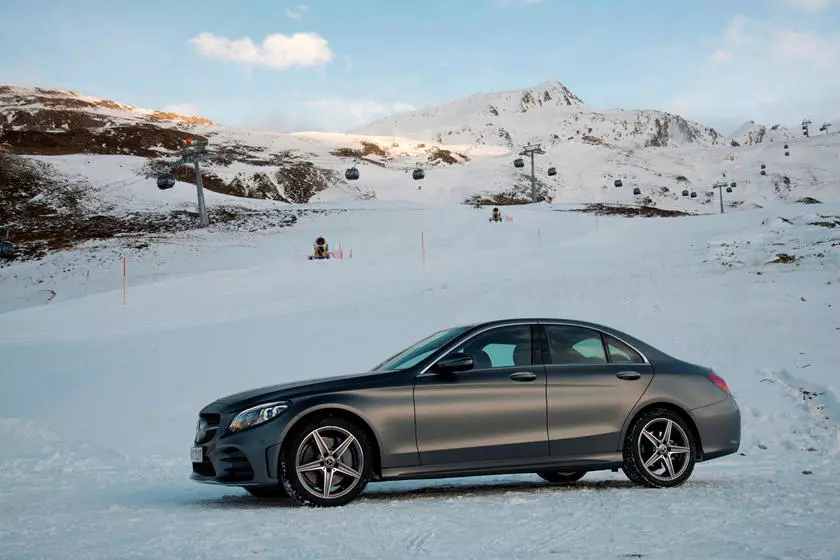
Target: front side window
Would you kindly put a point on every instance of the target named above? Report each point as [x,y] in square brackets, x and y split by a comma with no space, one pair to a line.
[500,347]
[421,350]
[620,352]
[574,345]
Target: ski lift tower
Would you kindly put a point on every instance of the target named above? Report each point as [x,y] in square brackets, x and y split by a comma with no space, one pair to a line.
[530,150]
[191,154]
[720,185]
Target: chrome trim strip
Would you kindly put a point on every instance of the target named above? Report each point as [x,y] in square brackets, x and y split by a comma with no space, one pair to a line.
[452,346]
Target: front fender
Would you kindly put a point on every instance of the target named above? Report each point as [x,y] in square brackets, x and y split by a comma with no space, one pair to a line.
[387,412]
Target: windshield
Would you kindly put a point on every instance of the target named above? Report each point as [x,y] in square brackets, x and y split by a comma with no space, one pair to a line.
[421,350]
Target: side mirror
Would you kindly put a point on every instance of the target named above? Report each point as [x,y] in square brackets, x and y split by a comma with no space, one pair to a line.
[454,363]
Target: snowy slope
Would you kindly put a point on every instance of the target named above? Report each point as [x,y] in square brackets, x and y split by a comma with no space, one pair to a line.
[99,398]
[547,113]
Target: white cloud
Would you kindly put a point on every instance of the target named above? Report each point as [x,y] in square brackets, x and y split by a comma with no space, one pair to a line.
[327,115]
[721,56]
[762,71]
[277,51]
[183,109]
[341,114]
[812,5]
[297,15]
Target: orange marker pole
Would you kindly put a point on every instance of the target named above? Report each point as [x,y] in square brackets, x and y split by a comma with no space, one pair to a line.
[423,246]
[124,283]
[87,278]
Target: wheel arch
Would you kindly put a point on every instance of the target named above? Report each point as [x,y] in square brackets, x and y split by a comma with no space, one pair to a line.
[679,410]
[346,413]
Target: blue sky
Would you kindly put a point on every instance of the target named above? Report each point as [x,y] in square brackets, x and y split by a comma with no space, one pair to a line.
[720,62]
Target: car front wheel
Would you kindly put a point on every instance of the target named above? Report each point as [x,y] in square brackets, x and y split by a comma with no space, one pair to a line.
[659,449]
[561,477]
[326,463]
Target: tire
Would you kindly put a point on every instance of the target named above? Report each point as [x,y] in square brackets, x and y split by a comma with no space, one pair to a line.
[349,472]
[644,445]
[561,477]
[267,491]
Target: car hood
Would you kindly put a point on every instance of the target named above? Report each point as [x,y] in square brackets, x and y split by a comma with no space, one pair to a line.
[253,397]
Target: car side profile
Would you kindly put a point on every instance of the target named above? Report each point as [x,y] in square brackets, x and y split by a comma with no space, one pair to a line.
[554,397]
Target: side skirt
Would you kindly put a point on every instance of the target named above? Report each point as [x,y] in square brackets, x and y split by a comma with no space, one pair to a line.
[600,462]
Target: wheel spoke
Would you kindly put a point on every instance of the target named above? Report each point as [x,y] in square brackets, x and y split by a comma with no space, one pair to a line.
[653,460]
[344,469]
[670,466]
[667,437]
[308,467]
[675,449]
[339,451]
[652,438]
[323,450]
[328,482]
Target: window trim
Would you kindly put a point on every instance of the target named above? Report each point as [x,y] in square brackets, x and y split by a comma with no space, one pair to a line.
[458,342]
[630,346]
[544,336]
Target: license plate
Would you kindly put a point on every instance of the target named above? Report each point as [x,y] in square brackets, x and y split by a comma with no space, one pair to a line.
[197,454]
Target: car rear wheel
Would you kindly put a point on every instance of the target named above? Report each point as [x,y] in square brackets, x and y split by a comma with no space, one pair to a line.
[267,491]
[561,477]
[659,449]
[326,463]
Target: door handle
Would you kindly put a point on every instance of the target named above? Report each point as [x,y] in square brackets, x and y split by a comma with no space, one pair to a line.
[628,375]
[523,376]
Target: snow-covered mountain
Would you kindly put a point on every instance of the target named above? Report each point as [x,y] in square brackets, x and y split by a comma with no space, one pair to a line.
[111,153]
[547,113]
[752,133]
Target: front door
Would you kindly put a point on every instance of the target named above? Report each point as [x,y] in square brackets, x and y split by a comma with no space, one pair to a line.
[495,412]
[593,382]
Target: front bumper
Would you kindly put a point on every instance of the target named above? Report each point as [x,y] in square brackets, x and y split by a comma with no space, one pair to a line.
[719,427]
[247,458]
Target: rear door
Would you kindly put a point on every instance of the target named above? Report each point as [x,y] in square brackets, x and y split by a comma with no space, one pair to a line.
[593,382]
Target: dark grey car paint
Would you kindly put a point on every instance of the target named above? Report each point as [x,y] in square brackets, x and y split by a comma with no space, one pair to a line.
[485,411]
[588,404]
[513,430]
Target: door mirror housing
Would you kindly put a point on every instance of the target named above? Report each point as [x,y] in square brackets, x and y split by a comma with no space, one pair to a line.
[454,363]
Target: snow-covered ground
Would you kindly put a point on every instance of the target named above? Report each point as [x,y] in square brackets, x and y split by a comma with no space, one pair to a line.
[99,399]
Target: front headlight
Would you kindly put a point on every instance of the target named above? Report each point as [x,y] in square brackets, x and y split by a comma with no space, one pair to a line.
[257,415]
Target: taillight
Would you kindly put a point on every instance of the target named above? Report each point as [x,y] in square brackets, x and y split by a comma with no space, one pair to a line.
[721,384]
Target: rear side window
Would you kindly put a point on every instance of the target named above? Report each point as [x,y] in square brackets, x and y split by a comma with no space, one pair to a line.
[574,345]
[620,352]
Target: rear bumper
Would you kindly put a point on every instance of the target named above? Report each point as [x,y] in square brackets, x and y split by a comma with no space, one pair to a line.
[719,426]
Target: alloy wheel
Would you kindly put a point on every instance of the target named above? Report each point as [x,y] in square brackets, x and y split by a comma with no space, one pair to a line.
[664,449]
[329,462]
